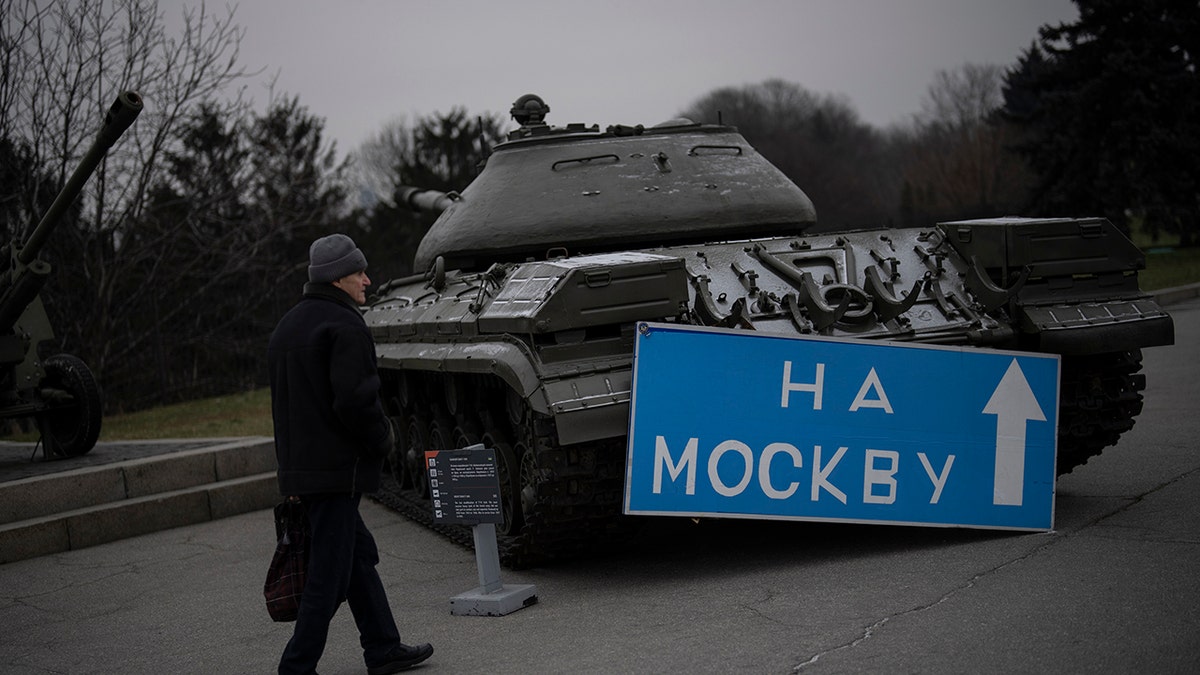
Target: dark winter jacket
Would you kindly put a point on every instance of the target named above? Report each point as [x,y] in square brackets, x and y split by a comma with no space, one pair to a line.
[330,431]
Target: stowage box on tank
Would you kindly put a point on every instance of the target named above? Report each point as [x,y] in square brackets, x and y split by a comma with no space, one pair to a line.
[520,335]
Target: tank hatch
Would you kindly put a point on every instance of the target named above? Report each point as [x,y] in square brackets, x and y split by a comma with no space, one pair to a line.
[587,191]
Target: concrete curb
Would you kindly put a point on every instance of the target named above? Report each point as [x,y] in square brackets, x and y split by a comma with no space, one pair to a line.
[1176,294]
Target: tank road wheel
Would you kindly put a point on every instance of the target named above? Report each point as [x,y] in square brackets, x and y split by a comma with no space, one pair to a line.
[441,434]
[508,473]
[441,437]
[397,459]
[530,477]
[70,425]
[416,443]
[465,435]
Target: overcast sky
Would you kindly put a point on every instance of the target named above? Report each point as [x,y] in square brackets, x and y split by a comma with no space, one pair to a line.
[361,63]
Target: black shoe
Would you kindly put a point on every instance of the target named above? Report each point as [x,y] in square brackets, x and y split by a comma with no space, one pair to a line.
[402,658]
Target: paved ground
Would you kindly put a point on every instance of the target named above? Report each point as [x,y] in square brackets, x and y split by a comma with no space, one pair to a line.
[1112,589]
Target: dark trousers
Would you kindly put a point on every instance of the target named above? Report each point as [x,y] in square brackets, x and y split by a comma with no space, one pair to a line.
[341,566]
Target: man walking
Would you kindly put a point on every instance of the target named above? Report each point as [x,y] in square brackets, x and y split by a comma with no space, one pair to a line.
[331,437]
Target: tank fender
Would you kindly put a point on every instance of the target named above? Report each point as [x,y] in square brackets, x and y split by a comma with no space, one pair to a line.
[587,406]
[1092,327]
[510,361]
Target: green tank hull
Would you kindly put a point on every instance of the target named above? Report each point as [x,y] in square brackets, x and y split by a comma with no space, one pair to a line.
[521,334]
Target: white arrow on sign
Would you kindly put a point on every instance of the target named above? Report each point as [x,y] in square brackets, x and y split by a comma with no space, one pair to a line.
[1013,404]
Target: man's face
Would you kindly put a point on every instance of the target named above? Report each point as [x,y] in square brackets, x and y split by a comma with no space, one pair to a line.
[355,285]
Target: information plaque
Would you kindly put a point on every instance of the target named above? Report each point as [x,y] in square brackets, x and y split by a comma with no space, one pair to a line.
[464,486]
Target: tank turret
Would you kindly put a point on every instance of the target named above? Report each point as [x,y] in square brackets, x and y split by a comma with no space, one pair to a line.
[583,190]
[59,392]
[520,334]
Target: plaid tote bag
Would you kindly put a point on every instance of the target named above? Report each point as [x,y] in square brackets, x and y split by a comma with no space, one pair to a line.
[287,573]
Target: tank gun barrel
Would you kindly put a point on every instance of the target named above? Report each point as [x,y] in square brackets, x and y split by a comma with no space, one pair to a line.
[122,114]
[419,199]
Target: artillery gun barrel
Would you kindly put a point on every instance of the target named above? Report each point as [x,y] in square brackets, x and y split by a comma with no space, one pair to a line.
[122,114]
[419,199]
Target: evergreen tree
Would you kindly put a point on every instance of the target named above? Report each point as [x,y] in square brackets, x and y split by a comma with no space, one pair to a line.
[442,151]
[1109,111]
[219,252]
[26,191]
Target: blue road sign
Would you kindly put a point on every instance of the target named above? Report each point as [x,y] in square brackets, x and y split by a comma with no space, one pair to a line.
[737,423]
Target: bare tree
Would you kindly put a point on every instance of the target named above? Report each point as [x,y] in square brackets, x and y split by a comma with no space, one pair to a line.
[377,159]
[440,151]
[959,164]
[962,98]
[817,140]
[65,62]
[63,65]
[229,225]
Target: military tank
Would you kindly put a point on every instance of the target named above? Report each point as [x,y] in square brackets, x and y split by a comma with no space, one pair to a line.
[57,391]
[520,332]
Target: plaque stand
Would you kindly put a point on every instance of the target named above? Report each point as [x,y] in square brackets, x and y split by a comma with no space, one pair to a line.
[491,598]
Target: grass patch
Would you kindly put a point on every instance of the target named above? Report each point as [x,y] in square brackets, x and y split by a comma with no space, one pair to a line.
[246,414]
[1167,265]
[1167,268]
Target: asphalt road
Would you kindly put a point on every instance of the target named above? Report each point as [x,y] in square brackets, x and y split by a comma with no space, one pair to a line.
[1112,589]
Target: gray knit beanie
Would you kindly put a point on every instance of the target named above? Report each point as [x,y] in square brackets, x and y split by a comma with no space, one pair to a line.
[333,257]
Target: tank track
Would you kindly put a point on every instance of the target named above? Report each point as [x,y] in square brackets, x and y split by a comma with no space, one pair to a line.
[1100,396]
[560,502]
